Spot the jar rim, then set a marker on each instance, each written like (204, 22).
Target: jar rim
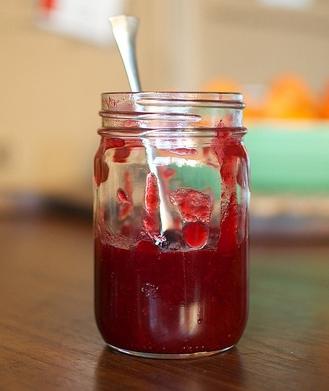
(171, 110)
(171, 92)
(197, 98)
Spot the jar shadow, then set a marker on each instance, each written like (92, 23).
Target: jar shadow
(116, 371)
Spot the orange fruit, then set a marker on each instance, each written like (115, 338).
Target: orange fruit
(323, 108)
(289, 98)
(221, 85)
(252, 109)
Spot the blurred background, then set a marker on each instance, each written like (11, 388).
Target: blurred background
(59, 55)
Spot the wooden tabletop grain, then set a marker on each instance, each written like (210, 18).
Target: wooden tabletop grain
(49, 341)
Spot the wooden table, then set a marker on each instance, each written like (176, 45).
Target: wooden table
(49, 341)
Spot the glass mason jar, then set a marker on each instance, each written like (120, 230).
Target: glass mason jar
(171, 223)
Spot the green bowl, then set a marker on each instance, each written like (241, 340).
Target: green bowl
(289, 157)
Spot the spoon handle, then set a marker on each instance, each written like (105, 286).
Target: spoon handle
(124, 31)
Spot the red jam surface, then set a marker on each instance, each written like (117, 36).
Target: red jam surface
(158, 300)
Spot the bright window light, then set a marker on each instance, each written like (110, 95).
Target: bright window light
(296, 4)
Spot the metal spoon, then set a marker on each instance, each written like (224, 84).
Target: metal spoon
(124, 31)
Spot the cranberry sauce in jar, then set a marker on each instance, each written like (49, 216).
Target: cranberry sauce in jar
(171, 224)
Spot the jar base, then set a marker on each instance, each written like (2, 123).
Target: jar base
(170, 356)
